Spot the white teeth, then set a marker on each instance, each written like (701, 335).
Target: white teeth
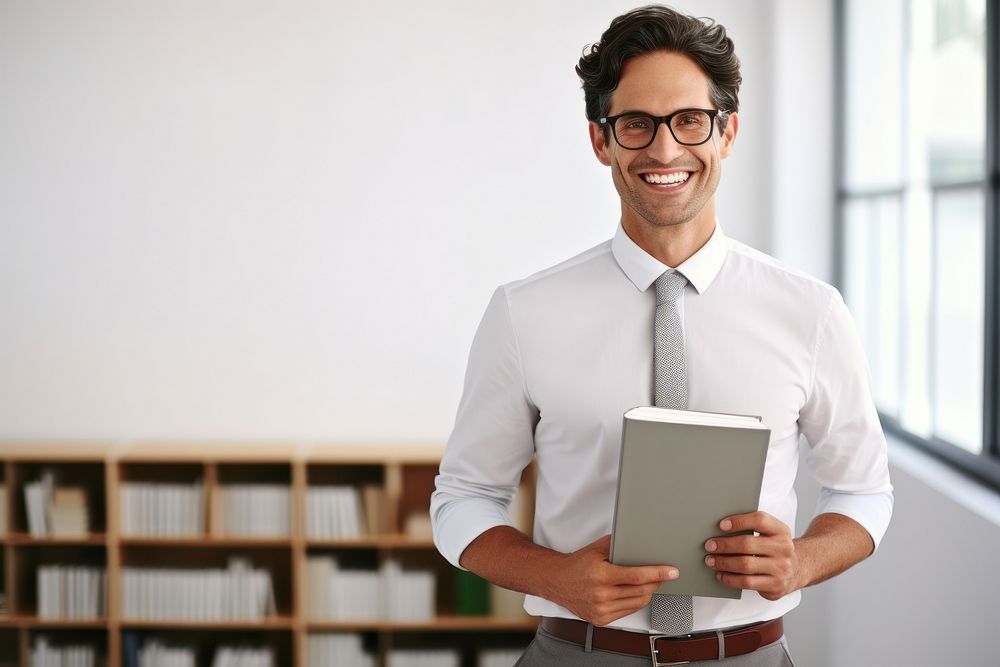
(675, 177)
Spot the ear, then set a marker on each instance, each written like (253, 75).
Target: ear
(599, 143)
(729, 135)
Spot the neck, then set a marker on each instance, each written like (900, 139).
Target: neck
(671, 244)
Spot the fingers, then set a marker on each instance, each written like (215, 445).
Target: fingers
(750, 582)
(637, 591)
(620, 607)
(601, 592)
(629, 605)
(743, 564)
(769, 587)
(764, 562)
(638, 575)
(760, 522)
(609, 603)
(759, 545)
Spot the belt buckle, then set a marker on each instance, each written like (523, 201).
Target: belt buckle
(653, 652)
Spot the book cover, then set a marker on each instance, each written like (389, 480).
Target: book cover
(680, 473)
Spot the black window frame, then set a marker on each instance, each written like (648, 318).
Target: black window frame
(985, 466)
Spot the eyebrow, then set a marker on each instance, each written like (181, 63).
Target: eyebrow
(650, 113)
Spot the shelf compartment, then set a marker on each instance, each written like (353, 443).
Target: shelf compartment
(205, 641)
(162, 500)
(468, 647)
(85, 475)
(28, 558)
(352, 647)
(245, 496)
(275, 560)
(347, 501)
(414, 503)
(57, 638)
(368, 585)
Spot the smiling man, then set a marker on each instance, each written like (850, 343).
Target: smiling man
(668, 312)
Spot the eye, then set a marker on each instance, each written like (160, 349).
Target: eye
(635, 123)
(691, 119)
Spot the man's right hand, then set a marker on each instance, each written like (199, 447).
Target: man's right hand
(594, 589)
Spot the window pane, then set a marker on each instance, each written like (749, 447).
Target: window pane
(886, 370)
(873, 76)
(914, 336)
(872, 290)
(857, 271)
(947, 95)
(958, 318)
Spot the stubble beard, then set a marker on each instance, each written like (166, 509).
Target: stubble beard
(691, 208)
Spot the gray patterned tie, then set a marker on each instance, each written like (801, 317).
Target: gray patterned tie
(670, 614)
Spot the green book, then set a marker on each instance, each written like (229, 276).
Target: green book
(472, 593)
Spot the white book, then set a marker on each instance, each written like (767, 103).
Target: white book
(70, 590)
(125, 509)
(177, 514)
(341, 513)
(33, 495)
(42, 589)
(68, 513)
(187, 511)
(350, 509)
(146, 525)
(323, 514)
(47, 484)
(199, 507)
(329, 509)
(311, 513)
(318, 574)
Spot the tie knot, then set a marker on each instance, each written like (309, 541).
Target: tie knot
(669, 286)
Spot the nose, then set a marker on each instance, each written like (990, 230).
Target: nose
(664, 147)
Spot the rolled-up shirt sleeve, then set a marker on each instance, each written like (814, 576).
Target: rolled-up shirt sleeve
(847, 449)
(492, 441)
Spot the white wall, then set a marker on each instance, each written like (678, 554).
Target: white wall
(259, 220)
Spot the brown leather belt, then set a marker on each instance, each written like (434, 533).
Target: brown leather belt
(669, 650)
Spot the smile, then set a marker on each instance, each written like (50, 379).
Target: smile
(674, 179)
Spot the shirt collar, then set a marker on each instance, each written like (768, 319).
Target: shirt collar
(643, 269)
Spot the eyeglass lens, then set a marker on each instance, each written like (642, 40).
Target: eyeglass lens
(638, 130)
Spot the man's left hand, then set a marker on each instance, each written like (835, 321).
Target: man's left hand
(765, 562)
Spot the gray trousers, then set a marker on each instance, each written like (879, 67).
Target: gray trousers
(546, 650)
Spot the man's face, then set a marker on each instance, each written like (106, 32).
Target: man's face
(660, 83)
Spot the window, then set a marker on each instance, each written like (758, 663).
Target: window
(918, 206)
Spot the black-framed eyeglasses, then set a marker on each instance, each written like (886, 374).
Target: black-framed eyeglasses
(635, 130)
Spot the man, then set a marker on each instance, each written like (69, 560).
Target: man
(668, 311)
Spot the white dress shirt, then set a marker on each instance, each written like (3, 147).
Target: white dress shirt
(560, 356)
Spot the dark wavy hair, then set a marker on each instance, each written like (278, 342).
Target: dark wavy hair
(659, 28)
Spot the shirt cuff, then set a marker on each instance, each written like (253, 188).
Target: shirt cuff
(871, 510)
(459, 522)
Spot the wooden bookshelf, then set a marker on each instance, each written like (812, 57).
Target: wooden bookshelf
(403, 473)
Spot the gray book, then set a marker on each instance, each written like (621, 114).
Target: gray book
(680, 473)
